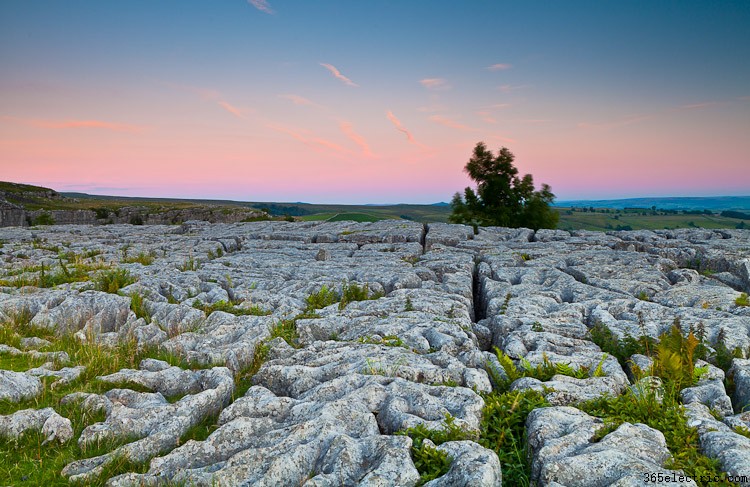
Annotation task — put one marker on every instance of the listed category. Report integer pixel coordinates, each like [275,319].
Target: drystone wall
[324,409]
[13,215]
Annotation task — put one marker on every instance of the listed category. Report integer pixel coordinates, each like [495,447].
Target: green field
[638,219]
[600,219]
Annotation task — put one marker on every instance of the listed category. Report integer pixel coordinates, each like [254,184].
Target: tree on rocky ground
[502,198]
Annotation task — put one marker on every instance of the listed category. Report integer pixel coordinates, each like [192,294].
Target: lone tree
[502,198]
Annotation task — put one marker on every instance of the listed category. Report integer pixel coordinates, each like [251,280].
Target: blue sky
[242,100]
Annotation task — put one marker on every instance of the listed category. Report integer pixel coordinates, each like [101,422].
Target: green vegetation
[190,264]
[742,300]
[607,219]
[324,297]
[580,218]
[349,293]
[430,462]
[44,219]
[111,281]
[29,462]
[356,217]
[44,277]
[230,308]
[502,198]
[141,258]
[138,307]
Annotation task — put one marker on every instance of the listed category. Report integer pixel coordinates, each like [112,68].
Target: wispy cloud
[77,124]
[434,83]
[486,116]
[348,130]
[499,67]
[261,5]
[397,123]
[447,122]
[214,97]
[299,100]
[693,106]
[307,138]
[432,108]
[486,112]
[509,88]
[615,123]
[337,74]
[232,109]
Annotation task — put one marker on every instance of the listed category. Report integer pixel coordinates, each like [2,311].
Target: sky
[341,101]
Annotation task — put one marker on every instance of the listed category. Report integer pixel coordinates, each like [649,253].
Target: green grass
[231,308]
[357,217]
[28,462]
[601,221]
[44,276]
[669,418]
[742,300]
[141,258]
[112,280]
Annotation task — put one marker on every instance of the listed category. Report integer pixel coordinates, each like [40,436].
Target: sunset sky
[373,101]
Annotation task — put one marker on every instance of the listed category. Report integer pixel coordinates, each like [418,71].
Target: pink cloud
[299,100]
[348,130]
[337,74]
[509,88]
[499,67]
[261,5]
[614,123]
[397,123]
[434,83]
[698,105]
[311,140]
[447,122]
[232,109]
[213,96]
[486,116]
[78,124]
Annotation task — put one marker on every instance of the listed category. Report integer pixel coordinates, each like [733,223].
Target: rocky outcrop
[313,391]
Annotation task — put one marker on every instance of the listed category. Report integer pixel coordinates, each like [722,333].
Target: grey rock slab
[712,394]
[740,373]
[158,376]
[719,441]
[340,431]
[52,426]
[563,390]
[17,386]
[560,445]
[94,311]
[148,424]
[306,368]
[472,465]
[65,375]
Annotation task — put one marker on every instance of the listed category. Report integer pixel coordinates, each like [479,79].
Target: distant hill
[716,203]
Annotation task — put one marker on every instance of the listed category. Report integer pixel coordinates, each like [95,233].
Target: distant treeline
[736,214]
[283,210]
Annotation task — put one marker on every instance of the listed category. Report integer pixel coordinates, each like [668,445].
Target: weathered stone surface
[472,465]
[16,386]
[740,373]
[326,413]
[333,430]
[711,393]
[560,444]
[52,426]
[719,441]
[150,424]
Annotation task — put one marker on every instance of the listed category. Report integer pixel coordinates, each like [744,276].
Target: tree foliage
[502,198]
